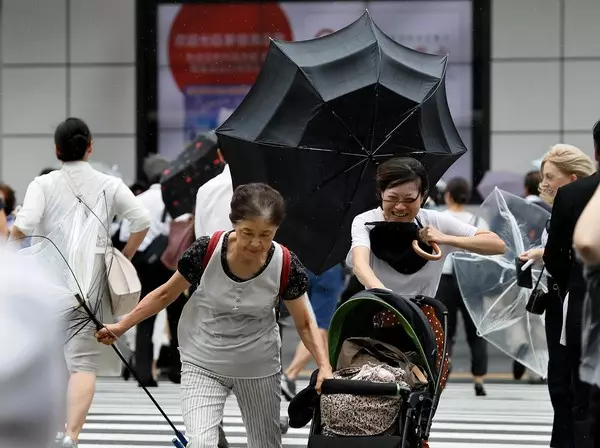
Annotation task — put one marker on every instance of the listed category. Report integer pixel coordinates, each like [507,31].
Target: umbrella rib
[376,106]
[500,297]
[349,203]
[338,118]
[413,110]
[325,103]
[331,178]
[310,148]
[305,148]
[387,137]
[414,150]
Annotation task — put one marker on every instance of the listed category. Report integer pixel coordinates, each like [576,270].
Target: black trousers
[152,276]
[449,294]
[581,390]
[559,374]
[593,421]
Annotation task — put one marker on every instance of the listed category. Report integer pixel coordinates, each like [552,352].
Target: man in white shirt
[213,204]
[153,274]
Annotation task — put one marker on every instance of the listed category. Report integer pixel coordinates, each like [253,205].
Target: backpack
[181,237]
[285,268]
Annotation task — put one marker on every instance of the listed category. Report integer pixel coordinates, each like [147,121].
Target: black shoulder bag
[537,301]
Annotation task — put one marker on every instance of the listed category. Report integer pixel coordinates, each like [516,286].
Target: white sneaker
[67,442]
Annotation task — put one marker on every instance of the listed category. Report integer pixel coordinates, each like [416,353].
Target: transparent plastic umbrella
[488,284]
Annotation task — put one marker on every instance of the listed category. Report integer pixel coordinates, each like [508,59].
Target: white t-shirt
[426,280]
[153,201]
[469,218]
[51,197]
[213,205]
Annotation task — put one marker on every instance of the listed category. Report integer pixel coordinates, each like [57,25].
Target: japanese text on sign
[219,40]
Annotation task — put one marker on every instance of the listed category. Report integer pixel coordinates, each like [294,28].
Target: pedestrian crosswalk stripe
[512,415]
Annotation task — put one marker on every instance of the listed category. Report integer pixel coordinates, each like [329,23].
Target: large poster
[210,54]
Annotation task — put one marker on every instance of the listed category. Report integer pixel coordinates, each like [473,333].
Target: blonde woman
[562,165]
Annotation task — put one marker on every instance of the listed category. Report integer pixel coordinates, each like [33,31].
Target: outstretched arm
[483,242]
[301,311]
[362,268]
[152,304]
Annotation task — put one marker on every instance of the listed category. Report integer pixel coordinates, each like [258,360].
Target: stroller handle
[360,387]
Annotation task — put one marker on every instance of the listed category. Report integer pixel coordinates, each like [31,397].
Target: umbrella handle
[435,256]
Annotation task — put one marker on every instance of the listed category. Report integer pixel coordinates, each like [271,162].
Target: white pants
[203,396]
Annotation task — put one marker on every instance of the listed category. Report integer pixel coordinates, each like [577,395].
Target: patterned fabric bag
[360,415]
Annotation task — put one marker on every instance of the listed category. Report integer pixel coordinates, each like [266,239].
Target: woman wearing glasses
[382,256]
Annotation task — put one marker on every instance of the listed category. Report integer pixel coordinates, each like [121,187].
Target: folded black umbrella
[197,164]
[302,406]
[322,115]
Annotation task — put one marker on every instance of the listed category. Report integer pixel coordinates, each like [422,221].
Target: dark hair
[72,139]
[459,190]
[400,170]
[9,198]
[138,186]
[257,201]
[532,183]
[47,171]
[596,134]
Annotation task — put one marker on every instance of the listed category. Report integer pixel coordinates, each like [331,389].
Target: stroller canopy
[354,318]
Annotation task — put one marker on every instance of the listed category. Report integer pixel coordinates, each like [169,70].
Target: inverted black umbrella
[322,115]
[197,164]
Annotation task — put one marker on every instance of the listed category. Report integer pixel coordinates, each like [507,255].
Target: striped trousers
[203,396]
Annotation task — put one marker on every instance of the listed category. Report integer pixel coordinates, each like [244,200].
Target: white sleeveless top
[229,327]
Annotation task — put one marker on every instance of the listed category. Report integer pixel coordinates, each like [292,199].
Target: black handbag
[392,242]
[538,300]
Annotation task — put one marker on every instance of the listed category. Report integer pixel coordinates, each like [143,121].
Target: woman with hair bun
[48,211]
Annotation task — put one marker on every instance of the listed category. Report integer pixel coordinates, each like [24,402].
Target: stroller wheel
[284,424]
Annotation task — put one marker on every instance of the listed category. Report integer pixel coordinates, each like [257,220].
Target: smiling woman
[382,255]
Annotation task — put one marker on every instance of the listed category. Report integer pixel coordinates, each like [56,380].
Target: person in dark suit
[586,241]
[567,273]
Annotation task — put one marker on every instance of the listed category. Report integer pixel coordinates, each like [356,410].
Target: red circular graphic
[223,43]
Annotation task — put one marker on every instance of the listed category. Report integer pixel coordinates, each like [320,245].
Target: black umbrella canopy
[197,164]
[322,115]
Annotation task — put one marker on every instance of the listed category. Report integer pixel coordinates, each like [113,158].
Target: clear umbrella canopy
[488,284]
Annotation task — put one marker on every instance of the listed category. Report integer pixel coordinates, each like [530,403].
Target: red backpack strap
[285,269]
[212,245]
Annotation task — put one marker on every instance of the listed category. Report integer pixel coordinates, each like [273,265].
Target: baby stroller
[409,324]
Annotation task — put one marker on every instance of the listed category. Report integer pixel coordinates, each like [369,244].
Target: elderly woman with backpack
[228,333]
